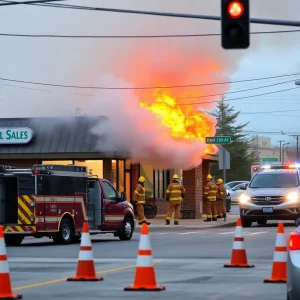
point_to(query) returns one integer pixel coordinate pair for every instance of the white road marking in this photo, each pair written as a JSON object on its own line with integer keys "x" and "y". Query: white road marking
{"x": 227, "y": 232}
{"x": 189, "y": 232}
{"x": 256, "y": 233}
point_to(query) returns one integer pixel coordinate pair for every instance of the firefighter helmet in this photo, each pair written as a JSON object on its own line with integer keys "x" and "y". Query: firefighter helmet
{"x": 209, "y": 177}
{"x": 175, "y": 176}
{"x": 142, "y": 179}
{"x": 219, "y": 181}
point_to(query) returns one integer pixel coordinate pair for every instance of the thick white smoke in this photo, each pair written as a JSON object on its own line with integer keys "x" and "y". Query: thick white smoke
{"x": 137, "y": 130}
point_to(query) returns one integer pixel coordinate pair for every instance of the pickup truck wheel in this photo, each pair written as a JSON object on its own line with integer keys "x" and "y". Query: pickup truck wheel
{"x": 13, "y": 240}
{"x": 246, "y": 223}
{"x": 126, "y": 232}
{"x": 65, "y": 234}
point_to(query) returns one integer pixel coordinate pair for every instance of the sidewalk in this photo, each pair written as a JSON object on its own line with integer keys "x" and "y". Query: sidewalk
{"x": 158, "y": 223}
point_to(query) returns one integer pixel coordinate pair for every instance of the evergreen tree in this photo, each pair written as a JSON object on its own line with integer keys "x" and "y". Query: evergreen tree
{"x": 241, "y": 158}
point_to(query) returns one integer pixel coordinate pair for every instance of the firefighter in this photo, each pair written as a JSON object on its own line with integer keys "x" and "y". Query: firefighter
{"x": 221, "y": 199}
{"x": 210, "y": 197}
{"x": 139, "y": 199}
{"x": 174, "y": 195}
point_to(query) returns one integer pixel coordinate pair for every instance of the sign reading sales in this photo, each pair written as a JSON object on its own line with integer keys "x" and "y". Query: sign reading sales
{"x": 15, "y": 135}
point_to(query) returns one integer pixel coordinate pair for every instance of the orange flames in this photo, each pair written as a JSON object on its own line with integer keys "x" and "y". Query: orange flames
{"x": 179, "y": 64}
{"x": 184, "y": 124}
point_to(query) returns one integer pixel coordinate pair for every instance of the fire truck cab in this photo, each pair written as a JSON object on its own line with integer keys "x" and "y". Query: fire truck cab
{"x": 55, "y": 200}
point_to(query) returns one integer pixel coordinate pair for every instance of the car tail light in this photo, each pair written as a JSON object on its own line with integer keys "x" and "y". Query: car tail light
{"x": 255, "y": 169}
{"x": 294, "y": 241}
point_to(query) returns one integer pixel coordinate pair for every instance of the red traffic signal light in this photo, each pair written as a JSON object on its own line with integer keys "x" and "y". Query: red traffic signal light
{"x": 236, "y": 9}
{"x": 235, "y": 22}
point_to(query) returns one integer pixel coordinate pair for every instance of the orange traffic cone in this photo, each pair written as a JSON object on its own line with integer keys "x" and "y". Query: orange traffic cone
{"x": 145, "y": 274}
{"x": 280, "y": 258}
{"x": 5, "y": 284}
{"x": 85, "y": 268}
{"x": 239, "y": 256}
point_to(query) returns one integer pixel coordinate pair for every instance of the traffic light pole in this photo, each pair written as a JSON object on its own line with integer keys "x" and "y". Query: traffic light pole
{"x": 177, "y": 15}
{"x": 224, "y": 165}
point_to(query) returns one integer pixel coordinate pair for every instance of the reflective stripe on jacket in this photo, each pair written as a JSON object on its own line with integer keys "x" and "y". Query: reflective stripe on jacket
{"x": 210, "y": 191}
{"x": 221, "y": 192}
{"x": 175, "y": 191}
{"x": 139, "y": 194}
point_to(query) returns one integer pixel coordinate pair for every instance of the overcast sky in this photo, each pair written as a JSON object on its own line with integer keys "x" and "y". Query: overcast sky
{"x": 141, "y": 62}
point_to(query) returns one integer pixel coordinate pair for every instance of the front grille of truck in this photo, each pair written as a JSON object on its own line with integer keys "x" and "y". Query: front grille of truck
{"x": 268, "y": 200}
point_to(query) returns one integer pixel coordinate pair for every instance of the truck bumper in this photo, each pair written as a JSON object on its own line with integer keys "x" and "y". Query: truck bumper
{"x": 19, "y": 229}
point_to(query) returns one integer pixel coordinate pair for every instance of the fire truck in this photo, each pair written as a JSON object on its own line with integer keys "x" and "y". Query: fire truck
{"x": 55, "y": 200}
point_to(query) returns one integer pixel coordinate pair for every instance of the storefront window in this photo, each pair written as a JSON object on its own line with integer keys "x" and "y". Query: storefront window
{"x": 121, "y": 172}
{"x": 161, "y": 181}
{"x": 57, "y": 162}
{"x": 127, "y": 190}
{"x": 94, "y": 167}
{"x": 147, "y": 172}
{"x": 114, "y": 173}
{"x": 179, "y": 172}
{"x": 128, "y": 164}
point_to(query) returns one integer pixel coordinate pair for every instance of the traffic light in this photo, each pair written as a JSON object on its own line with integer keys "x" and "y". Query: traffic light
{"x": 235, "y": 19}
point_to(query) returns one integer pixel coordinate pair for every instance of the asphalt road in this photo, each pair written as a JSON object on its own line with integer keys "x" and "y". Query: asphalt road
{"x": 188, "y": 263}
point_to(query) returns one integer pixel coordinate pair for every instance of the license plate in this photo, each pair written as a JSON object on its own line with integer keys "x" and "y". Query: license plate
{"x": 267, "y": 209}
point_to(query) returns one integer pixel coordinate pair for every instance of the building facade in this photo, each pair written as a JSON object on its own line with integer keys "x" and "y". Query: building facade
{"x": 70, "y": 140}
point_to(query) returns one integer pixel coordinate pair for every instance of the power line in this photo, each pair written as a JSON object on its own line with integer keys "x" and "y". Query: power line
{"x": 134, "y": 36}
{"x": 267, "y": 112}
{"x": 27, "y": 2}
{"x": 145, "y": 88}
{"x": 257, "y": 131}
{"x": 236, "y": 99}
{"x": 233, "y": 92}
{"x": 176, "y": 15}
{"x": 202, "y": 96}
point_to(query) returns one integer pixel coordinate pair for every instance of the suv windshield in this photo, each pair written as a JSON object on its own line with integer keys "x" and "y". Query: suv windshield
{"x": 283, "y": 180}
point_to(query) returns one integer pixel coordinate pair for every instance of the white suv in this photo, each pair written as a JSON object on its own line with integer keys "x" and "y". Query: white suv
{"x": 272, "y": 194}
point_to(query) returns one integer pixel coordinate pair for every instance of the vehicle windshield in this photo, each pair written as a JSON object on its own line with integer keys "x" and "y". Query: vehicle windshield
{"x": 283, "y": 180}
{"x": 230, "y": 185}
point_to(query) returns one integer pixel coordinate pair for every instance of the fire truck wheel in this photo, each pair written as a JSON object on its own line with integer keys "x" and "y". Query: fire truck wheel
{"x": 66, "y": 232}
{"x": 13, "y": 240}
{"x": 125, "y": 233}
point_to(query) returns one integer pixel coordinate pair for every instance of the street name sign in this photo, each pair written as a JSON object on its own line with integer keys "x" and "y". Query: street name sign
{"x": 218, "y": 140}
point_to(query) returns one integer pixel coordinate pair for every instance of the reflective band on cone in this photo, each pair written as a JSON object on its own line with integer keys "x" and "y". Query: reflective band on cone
{"x": 5, "y": 283}
{"x": 280, "y": 258}
{"x": 85, "y": 267}
{"x": 144, "y": 279}
{"x": 238, "y": 256}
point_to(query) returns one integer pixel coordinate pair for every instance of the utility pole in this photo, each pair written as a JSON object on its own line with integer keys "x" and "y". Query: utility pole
{"x": 280, "y": 142}
{"x": 223, "y": 149}
{"x": 297, "y": 146}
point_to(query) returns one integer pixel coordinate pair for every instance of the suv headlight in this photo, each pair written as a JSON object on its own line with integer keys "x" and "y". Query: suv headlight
{"x": 292, "y": 197}
{"x": 244, "y": 199}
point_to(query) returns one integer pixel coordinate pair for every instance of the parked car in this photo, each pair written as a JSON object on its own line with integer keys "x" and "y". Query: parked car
{"x": 293, "y": 266}
{"x": 236, "y": 191}
{"x": 231, "y": 184}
